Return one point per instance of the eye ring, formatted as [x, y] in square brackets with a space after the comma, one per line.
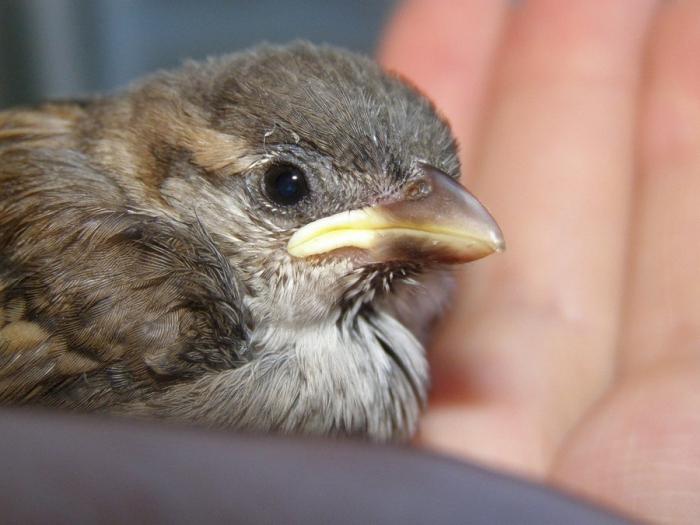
[285, 184]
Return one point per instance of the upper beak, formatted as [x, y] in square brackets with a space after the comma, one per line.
[435, 219]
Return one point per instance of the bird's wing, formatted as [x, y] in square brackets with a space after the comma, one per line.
[100, 305]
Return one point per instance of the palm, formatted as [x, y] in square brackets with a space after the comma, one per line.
[575, 355]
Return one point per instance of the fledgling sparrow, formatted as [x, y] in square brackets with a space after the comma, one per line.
[258, 241]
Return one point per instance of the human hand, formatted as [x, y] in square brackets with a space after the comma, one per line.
[573, 357]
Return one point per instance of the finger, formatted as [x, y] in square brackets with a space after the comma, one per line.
[445, 48]
[640, 451]
[532, 341]
[663, 321]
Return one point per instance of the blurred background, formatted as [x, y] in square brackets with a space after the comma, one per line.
[65, 48]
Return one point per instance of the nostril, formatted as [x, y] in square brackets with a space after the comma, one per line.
[418, 189]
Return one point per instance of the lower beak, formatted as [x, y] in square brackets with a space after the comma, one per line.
[437, 220]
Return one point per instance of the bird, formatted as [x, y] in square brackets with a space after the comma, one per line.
[259, 241]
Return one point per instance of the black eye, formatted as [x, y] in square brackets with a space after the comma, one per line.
[285, 184]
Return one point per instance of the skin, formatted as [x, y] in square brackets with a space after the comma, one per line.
[573, 357]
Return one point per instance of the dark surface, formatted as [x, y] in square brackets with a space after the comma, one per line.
[61, 468]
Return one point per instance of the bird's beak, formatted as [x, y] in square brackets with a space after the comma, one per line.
[435, 219]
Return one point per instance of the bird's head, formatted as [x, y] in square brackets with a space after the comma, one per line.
[321, 178]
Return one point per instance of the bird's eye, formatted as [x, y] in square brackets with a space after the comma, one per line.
[285, 184]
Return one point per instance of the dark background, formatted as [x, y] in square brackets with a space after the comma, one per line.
[65, 48]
